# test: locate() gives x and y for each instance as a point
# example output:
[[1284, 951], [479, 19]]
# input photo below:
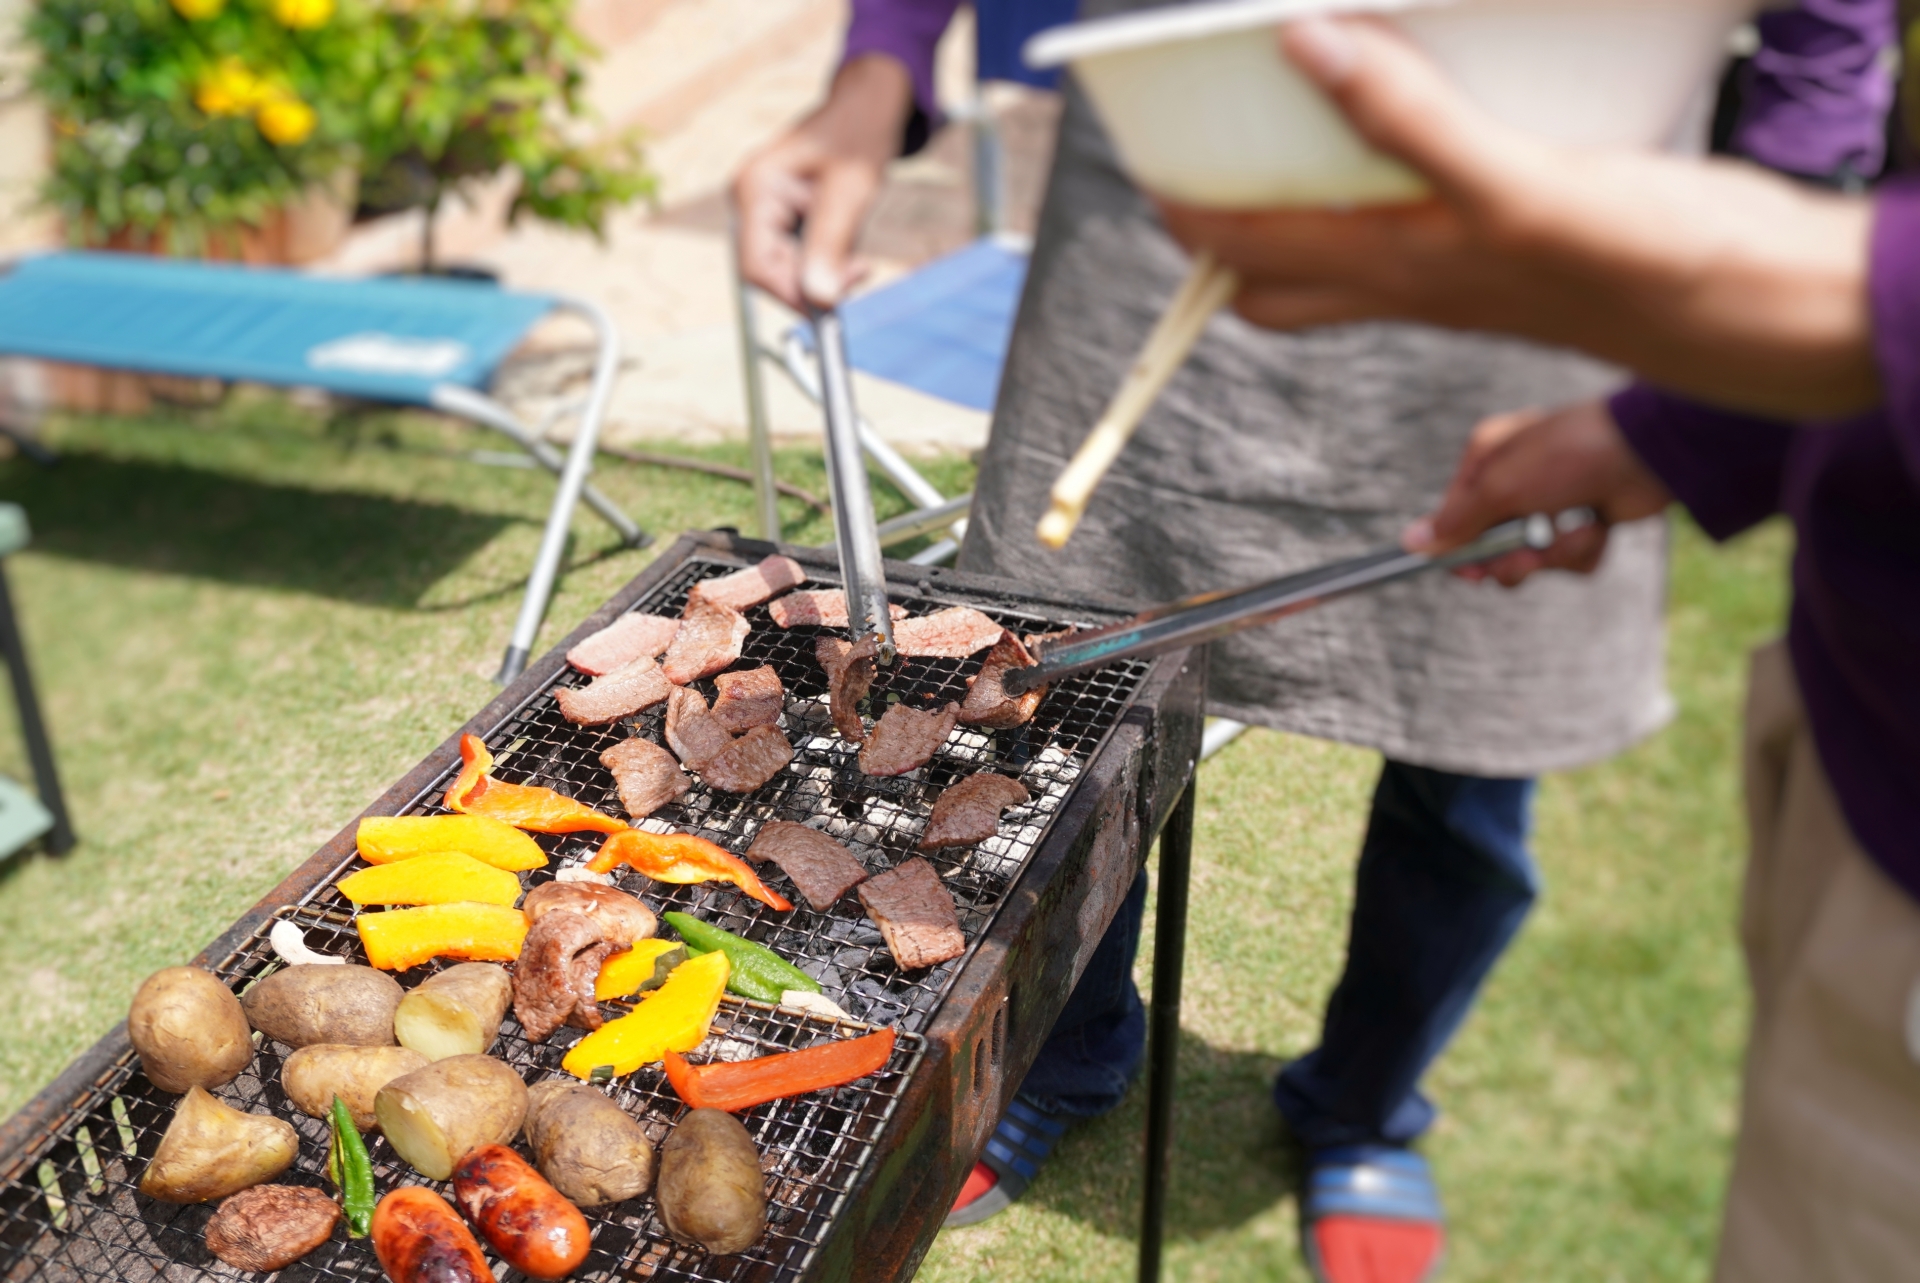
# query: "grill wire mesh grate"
[[68, 1207]]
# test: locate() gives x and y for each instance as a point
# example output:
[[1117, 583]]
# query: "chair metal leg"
[[765, 496], [46, 775], [1163, 1036], [573, 478]]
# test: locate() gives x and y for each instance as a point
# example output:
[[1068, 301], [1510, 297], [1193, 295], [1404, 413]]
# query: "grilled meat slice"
[[905, 738], [691, 732], [745, 589], [821, 868], [749, 699], [749, 761], [987, 703], [646, 774], [969, 811], [621, 693], [817, 608], [626, 639], [709, 640], [914, 911], [584, 971], [545, 991], [953, 633], [850, 672], [621, 918]]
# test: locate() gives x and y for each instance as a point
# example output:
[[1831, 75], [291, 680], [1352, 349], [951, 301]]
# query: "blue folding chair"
[[408, 341]]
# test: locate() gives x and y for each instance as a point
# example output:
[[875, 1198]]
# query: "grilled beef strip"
[[621, 693], [749, 699], [646, 775], [546, 992], [850, 672], [626, 639], [987, 703], [748, 762], [817, 608], [745, 589], [820, 868], [914, 911], [953, 633], [709, 640], [904, 739], [969, 811], [691, 731]]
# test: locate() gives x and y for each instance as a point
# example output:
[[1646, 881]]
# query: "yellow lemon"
[[299, 14], [285, 121], [228, 89], [196, 10]]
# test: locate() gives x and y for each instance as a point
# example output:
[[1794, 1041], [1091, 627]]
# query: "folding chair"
[[408, 341]]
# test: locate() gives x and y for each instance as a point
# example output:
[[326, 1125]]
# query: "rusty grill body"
[[858, 1178]]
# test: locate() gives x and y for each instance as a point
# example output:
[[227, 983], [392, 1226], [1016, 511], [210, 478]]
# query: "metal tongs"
[[862, 571], [1194, 621]]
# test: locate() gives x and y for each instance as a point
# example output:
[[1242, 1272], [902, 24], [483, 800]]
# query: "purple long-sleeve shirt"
[[1853, 491]]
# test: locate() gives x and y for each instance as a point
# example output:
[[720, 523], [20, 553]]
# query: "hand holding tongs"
[[861, 569], [1194, 621]]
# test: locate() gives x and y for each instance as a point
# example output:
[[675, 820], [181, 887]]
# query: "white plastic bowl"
[[1205, 110]]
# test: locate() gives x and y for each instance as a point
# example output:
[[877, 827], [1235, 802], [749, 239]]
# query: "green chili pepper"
[[758, 972], [349, 1167]]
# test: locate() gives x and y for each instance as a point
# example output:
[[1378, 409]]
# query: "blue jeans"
[[1444, 883]]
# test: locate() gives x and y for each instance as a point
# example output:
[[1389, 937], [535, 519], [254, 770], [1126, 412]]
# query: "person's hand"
[[802, 199], [1541, 461], [1714, 278]]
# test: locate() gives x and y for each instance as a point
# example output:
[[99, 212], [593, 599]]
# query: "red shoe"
[[1019, 1144], [1371, 1215]]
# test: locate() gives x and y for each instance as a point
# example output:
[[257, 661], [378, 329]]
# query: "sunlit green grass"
[[248, 622]]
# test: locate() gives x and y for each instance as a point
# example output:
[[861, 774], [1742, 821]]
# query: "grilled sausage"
[[419, 1239], [529, 1222]]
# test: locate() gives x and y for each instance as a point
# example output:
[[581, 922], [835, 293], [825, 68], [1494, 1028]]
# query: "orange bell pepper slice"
[[682, 857], [542, 810], [742, 1084]]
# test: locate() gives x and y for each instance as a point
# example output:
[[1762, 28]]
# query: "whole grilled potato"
[[592, 1150], [711, 1192], [308, 1004], [189, 1030], [319, 1071]]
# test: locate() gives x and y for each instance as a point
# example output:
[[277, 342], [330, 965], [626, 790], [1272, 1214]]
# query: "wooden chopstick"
[[1206, 290]]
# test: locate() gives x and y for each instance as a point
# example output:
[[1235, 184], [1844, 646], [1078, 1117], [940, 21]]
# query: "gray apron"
[[1270, 453]]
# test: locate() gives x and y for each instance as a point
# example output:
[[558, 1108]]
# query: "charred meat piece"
[[709, 640], [820, 867], [692, 733], [850, 672], [269, 1227], [969, 811], [988, 703], [626, 639], [646, 774], [914, 911], [546, 992], [817, 608], [745, 589], [621, 693], [953, 633], [749, 699], [905, 738], [622, 918], [749, 761], [584, 972]]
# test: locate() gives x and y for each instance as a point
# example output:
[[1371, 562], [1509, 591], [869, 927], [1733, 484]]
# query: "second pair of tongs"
[[862, 571], [1195, 621]]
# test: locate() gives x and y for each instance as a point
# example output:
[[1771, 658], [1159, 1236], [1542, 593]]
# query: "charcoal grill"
[[859, 1178]]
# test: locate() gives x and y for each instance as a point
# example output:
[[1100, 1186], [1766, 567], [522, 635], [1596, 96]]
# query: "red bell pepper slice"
[[682, 857], [741, 1084], [544, 811]]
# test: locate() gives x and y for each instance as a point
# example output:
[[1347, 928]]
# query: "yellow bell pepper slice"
[[628, 972], [383, 839], [402, 938], [675, 1017], [445, 877]]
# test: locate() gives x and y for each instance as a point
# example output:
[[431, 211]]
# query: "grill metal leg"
[[46, 775], [1163, 1027]]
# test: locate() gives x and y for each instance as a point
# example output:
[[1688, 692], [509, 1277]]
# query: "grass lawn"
[[247, 622]]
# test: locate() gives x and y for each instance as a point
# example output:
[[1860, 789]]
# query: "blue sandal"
[[1020, 1142], [1371, 1214]]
